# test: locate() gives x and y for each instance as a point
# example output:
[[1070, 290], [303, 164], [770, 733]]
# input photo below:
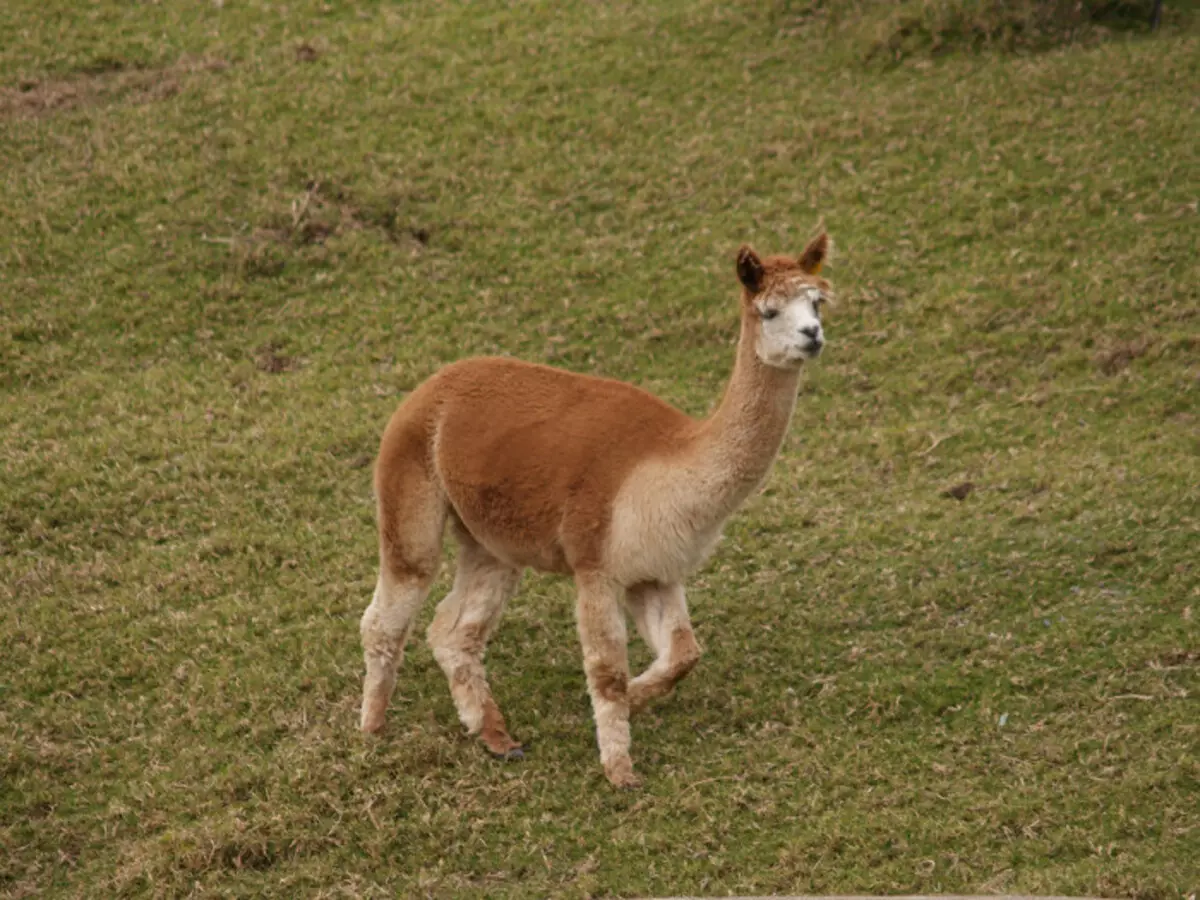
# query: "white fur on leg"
[[462, 625], [612, 728], [601, 622], [468, 686], [660, 612], [385, 627]]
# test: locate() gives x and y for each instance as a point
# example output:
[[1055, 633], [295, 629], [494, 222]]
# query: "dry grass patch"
[[111, 82]]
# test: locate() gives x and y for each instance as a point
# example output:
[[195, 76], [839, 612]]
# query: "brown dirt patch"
[[959, 491], [268, 359], [326, 209], [34, 98], [1117, 358]]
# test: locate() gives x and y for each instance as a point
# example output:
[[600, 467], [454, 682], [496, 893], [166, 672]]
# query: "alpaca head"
[[782, 298]]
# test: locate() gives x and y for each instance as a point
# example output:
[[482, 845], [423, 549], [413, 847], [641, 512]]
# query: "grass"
[[232, 236], [888, 31]]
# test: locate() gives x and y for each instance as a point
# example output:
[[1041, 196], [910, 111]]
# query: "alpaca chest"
[[662, 529]]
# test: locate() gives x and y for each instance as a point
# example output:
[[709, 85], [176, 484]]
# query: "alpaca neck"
[[737, 444]]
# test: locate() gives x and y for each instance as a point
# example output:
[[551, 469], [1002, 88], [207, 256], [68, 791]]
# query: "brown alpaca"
[[537, 467]]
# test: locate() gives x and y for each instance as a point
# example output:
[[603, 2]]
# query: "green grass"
[[233, 236], [888, 31]]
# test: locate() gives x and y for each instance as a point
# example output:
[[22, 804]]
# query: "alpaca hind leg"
[[601, 622], [385, 628], [411, 519], [660, 612], [464, 622]]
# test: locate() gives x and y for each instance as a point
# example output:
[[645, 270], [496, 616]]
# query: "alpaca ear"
[[749, 269], [815, 253]]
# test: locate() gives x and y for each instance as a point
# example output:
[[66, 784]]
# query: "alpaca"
[[537, 467]]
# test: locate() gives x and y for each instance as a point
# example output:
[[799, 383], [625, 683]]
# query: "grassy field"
[[232, 236]]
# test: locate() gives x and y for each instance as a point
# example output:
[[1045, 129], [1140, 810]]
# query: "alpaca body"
[[531, 458], [534, 467]]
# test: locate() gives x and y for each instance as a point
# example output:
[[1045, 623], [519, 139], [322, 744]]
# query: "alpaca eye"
[[770, 313]]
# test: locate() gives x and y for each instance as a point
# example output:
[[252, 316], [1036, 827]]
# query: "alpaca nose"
[[812, 332]]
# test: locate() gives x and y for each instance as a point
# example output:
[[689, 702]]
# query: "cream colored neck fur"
[[743, 436], [731, 451], [668, 516], [673, 509]]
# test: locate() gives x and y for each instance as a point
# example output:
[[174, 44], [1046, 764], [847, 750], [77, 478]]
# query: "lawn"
[[951, 646]]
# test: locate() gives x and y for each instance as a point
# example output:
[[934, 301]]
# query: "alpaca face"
[[785, 294], [789, 330]]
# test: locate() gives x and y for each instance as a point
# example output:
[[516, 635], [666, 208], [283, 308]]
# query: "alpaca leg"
[[385, 628], [660, 612], [459, 633], [601, 622], [410, 537]]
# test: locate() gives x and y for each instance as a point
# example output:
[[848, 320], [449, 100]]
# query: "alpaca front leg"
[[660, 612], [601, 622]]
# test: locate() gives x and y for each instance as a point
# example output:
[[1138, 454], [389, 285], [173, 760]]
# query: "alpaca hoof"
[[500, 746], [372, 719], [620, 774], [512, 754]]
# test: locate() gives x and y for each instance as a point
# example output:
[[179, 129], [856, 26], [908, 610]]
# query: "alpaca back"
[[531, 458]]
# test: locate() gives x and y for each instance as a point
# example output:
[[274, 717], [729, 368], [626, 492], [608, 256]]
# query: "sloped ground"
[[951, 647]]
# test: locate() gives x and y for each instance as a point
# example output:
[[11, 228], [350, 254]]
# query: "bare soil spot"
[[327, 209], [1176, 659], [268, 359], [1113, 550], [959, 491], [107, 81], [1117, 358]]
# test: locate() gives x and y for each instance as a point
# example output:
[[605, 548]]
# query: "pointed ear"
[[749, 269], [815, 253]]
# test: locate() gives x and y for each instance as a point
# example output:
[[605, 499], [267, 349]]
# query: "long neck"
[[736, 445]]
